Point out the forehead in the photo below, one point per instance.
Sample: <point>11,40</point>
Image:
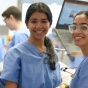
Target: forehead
<point>38,15</point>
<point>81,19</point>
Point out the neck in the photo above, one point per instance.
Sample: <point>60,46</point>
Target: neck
<point>84,50</point>
<point>18,25</point>
<point>39,44</point>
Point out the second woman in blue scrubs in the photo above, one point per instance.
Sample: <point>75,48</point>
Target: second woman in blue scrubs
<point>33,63</point>
<point>79,30</point>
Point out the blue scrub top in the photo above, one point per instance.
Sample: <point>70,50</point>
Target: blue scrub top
<point>20,35</point>
<point>2,51</point>
<point>80,78</point>
<point>24,64</point>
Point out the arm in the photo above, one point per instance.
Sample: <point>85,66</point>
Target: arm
<point>10,84</point>
<point>11,68</point>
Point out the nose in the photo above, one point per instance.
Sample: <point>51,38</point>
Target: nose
<point>38,25</point>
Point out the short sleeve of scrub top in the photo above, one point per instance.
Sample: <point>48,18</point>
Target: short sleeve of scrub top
<point>12,64</point>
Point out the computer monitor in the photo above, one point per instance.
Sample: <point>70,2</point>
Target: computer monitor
<point>69,9</point>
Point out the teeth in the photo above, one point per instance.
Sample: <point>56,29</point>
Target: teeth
<point>39,31</point>
<point>78,38</point>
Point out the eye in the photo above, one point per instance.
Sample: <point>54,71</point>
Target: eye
<point>74,27</point>
<point>83,27</point>
<point>44,21</point>
<point>33,21</point>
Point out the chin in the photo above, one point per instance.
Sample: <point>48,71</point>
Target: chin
<point>77,44</point>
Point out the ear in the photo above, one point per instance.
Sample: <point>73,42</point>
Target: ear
<point>26,25</point>
<point>49,26</point>
<point>12,17</point>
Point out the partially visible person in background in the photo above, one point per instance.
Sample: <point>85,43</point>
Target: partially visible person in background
<point>79,31</point>
<point>12,18</point>
<point>2,51</point>
<point>35,55</point>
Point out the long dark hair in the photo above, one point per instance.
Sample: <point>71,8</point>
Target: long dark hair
<point>42,7</point>
<point>50,53</point>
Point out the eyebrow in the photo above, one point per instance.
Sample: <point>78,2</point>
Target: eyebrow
<point>81,23</point>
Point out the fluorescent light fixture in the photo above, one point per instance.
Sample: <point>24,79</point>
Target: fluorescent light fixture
<point>82,0</point>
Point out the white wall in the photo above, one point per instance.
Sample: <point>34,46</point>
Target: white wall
<point>4,4</point>
<point>59,2</point>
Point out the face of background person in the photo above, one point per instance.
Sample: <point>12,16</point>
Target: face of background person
<point>10,22</point>
<point>38,25</point>
<point>80,37</point>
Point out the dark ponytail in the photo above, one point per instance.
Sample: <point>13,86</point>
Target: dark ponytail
<point>50,53</point>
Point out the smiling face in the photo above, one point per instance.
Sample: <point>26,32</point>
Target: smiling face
<point>80,37</point>
<point>38,25</point>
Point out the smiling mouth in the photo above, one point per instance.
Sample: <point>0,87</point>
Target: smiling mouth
<point>39,32</point>
<point>78,38</point>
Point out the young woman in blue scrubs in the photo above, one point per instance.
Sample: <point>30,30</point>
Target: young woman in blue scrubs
<point>79,30</point>
<point>33,63</point>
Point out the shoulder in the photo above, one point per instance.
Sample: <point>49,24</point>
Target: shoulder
<point>21,47</point>
<point>22,29</point>
<point>13,51</point>
<point>17,48</point>
<point>22,32</point>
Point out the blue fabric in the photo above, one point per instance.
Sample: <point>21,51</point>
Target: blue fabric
<point>2,86</point>
<point>2,52</point>
<point>24,64</point>
<point>20,35</point>
<point>80,78</point>
<point>76,60</point>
